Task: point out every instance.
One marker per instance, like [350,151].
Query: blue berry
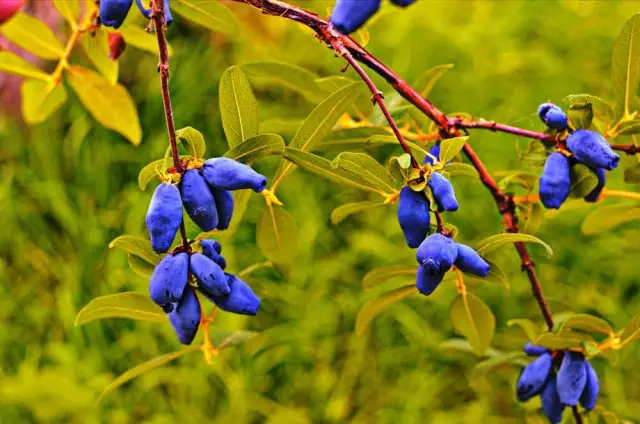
[185,318]
[241,299]
[198,200]
[595,193]
[551,404]
[553,116]
[169,279]
[436,254]
[443,192]
[572,378]
[591,389]
[224,205]
[468,260]
[227,174]
[211,249]
[555,182]
[590,148]
[427,281]
[349,15]
[210,276]
[113,12]
[413,216]
[533,350]
[164,216]
[434,151]
[534,377]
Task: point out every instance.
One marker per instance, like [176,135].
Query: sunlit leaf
[277,235]
[139,38]
[136,246]
[581,115]
[238,107]
[96,48]
[32,35]
[601,108]
[456,169]
[632,331]
[605,218]
[376,306]
[491,243]
[533,218]
[450,147]
[193,140]
[286,75]
[40,99]
[14,64]
[236,338]
[587,323]
[149,173]
[366,167]
[565,340]
[523,179]
[342,212]
[138,306]
[583,181]
[629,127]
[481,369]
[425,82]
[111,105]
[141,267]
[210,14]
[257,147]
[529,327]
[378,276]
[69,9]
[626,65]
[472,318]
[496,275]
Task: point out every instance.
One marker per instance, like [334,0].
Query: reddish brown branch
[628,149]
[496,127]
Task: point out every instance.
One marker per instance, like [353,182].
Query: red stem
[494,126]
[628,149]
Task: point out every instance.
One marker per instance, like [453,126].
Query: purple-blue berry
[349,15]
[555,182]
[240,300]
[572,378]
[551,404]
[436,255]
[114,12]
[227,174]
[198,200]
[595,193]
[212,249]
[591,148]
[553,116]
[434,151]
[185,318]
[591,389]
[413,216]
[164,216]
[169,279]
[210,276]
[533,377]
[469,261]
[224,205]
[443,192]
[533,350]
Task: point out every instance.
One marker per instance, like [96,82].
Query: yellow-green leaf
[425,82]
[97,50]
[69,9]
[277,235]
[528,326]
[457,169]
[581,116]
[632,331]
[257,147]
[378,276]
[292,77]
[210,14]
[367,168]
[565,340]
[141,267]
[626,65]
[376,306]
[238,106]
[450,147]
[606,218]
[137,37]
[193,141]
[341,212]
[14,64]
[472,318]
[601,108]
[235,339]
[629,127]
[587,323]
[496,241]
[32,35]
[146,366]
[136,246]
[130,305]
[583,181]
[482,368]
[111,105]
[149,173]
[533,218]
[40,99]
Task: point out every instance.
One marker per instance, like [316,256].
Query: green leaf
[529,327]
[139,38]
[425,82]
[32,35]
[96,48]
[457,169]
[238,106]
[587,323]
[632,331]
[277,235]
[289,76]
[138,306]
[482,368]
[193,140]
[601,108]
[149,173]
[523,179]
[629,128]
[626,65]
[111,105]
[376,306]
[236,338]
[40,99]
[533,218]
[390,139]
[581,115]
[450,147]
[69,9]
[146,366]
[632,174]
[366,167]
[322,167]
[472,318]
[342,212]
[605,218]
[583,181]
[257,147]
[136,246]
[210,14]
[141,267]
[378,276]
[495,275]
[496,241]
[14,64]
[566,340]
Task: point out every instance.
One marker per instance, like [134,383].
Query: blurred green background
[68,187]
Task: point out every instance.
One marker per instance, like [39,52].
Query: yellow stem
[84,25]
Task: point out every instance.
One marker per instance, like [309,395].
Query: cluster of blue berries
[585,146]
[436,253]
[575,382]
[114,12]
[349,15]
[205,195]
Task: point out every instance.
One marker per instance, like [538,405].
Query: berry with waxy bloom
[553,116]
[116,45]
[164,216]
[169,279]
[591,148]
[228,174]
[210,276]
[198,200]
[8,8]
[595,193]
[551,404]
[591,389]
[443,192]
[185,317]
[114,12]
[413,216]
[469,261]
[212,249]
[572,378]
[224,205]
[555,182]
[533,350]
[436,255]
[240,300]
[349,15]
[534,377]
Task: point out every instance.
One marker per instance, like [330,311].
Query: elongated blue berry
[437,254]
[413,216]
[555,182]
[224,205]
[427,280]
[553,116]
[468,260]
[241,300]
[198,200]
[572,378]
[227,174]
[349,15]
[551,404]
[210,276]
[591,389]
[595,193]
[113,12]
[443,192]
[434,151]
[164,216]
[211,249]
[533,350]
[533,377]
[185,318]
[169,279]
[590,148]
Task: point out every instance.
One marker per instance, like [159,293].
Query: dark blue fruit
[413,216]
[533,350]
[533,377]
[210,276]
[572,378]
[468,260]
[590,148]
[113,12]
[595,193]
[349,15]
[227,174]
[551,404]
[591,389]
[211,249]
[435,255]
[435,151]
[555,182]
[198,200]
[185,318]
[224,205]
[443,192]
[164,216]
[169,279]
[241,299]
[553,116]
[427,281]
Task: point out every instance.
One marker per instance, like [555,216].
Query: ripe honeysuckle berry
[443,192]
[533,377]
[349,15]
[241,300]
[533,350]
[169,279]
[198,200]
[551,404]
[555,182]
[8,8]
[434,151]
[113,12]
[413,216]
[210,276]
[436,256]
[595,193]
[164,216]
[147,12]
[572,378]
[185,318]
[227,174]
[469,261]
[427,281]
[591,148]
[210,251]
[224,205]
[591,389]
[553,116]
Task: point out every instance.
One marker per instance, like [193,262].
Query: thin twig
[496,127]
[628,149]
